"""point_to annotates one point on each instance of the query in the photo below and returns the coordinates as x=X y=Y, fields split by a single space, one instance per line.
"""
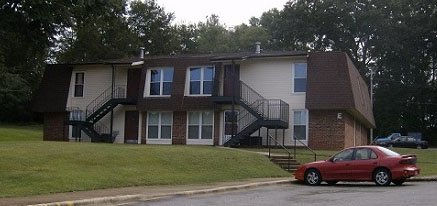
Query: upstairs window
x=300 y=77
x=160 y=82
x=78 y=84
x=201 y=80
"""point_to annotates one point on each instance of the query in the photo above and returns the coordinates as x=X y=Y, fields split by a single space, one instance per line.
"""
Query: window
x=160 y=81
x=364 y=154
x=200 y=125
x=201 y=80
x=300 y=124
x=159 y=125
x=345 y=155
x=78 y=84
x=300 y=77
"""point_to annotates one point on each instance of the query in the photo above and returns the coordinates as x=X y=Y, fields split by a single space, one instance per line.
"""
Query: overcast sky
x=231 y=12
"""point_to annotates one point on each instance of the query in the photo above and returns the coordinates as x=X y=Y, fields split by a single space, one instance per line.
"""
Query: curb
x=144 y=197
x=422 y=179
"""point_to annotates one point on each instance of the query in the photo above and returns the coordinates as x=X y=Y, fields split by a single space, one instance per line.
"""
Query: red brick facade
x=330 y=129
x=179 y=128
x=55 y=128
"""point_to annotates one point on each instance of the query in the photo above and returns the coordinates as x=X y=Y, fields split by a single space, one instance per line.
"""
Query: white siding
x=273 y=79
x=97 y=78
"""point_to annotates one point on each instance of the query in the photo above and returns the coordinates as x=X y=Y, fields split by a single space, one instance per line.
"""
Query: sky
x=230 y=12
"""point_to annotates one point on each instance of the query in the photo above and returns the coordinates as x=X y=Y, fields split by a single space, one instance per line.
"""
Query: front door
x=231 y=126
x=131 y=127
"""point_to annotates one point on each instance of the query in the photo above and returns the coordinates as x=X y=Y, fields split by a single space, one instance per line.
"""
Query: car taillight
x=408 y=159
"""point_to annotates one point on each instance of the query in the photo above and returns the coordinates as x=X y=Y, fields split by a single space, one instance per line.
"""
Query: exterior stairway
x=285 y=162
x=88 y=120
x=258 y=112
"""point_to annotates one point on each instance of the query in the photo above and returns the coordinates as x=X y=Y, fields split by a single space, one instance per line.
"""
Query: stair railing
x=302 y=143
x=250 y=97
x=283 y=147
x=119 y=92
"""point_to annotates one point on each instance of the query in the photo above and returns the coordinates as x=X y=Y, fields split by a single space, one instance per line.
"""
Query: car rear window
x=388 y=152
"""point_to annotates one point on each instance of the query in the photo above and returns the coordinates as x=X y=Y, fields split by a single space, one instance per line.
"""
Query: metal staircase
x=88 y=120
x=258 y=112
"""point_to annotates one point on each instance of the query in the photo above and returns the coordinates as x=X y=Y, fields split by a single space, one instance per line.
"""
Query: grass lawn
x=37 y=167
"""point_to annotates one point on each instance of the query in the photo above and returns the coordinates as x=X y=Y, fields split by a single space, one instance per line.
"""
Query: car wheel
x=331 y=182
x=382 y=177
x=313 y=177
x=399 y=182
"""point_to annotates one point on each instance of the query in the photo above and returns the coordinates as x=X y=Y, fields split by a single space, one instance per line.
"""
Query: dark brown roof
x=335 y=84
x=212 y=56
x=53 y=90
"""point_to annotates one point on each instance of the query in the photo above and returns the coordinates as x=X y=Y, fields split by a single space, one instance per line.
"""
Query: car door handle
x=374 y=163
x=348 y=164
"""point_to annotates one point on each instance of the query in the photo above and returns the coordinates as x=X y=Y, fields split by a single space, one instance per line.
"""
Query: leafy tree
x=99 y=31
x=152 y=25
x=213 y=36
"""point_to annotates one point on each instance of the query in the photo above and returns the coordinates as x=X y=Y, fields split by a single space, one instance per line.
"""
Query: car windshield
x=388 y=152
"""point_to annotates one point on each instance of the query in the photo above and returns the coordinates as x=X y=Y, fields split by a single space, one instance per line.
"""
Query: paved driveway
x=356 y=194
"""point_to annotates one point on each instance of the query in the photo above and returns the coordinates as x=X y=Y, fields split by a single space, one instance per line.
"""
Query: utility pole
x=371 y=101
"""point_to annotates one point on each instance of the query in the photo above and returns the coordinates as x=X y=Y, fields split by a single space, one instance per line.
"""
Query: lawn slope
x=37 y=167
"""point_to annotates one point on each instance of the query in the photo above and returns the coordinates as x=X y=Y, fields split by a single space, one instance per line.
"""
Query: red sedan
x=363 y=163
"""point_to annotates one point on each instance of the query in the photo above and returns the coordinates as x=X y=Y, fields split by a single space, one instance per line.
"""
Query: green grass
x=36 y=167
x=10 y=132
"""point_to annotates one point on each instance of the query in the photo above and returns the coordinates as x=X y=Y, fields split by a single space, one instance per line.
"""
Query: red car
x=362 y=163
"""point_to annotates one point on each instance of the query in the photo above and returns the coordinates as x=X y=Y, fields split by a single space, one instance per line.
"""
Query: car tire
x=382 y=177
x=313 y=177
x=399 y=182
x=331 y=182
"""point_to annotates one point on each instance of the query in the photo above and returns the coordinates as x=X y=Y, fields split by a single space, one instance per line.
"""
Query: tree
x=99 y=31
x=213 y=36
x=152 y=25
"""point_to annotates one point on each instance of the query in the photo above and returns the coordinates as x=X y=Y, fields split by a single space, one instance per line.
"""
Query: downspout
x=111 y=127
x=233 y=100
x=355 y=133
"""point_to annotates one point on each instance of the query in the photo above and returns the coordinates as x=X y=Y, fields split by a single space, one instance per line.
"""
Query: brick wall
x=144 y=128
x=54 y=126
x=356 y=133
x=179 y=127
x=325 y=130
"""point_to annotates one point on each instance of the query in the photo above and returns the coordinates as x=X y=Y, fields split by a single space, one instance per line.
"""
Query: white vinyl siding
x=273 y=79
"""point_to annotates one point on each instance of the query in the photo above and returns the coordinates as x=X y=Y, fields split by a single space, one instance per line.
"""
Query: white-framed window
x=300 y=124
x=159 y=125
x=79 y=81
x=200 y=80
x=200 y=125
x=299 y=77
x=159 y=82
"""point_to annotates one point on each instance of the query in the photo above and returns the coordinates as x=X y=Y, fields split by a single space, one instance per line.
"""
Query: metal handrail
x=315 y=155
x=283 y=147
x=118 y=93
